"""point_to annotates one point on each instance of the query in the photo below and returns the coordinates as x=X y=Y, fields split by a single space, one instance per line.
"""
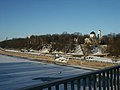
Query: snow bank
x=100 y=59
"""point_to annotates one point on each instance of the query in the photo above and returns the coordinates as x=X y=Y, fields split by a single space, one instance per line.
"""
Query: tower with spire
x=99 y=34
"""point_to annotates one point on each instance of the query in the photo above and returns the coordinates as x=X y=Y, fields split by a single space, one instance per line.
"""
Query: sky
x=22 y=18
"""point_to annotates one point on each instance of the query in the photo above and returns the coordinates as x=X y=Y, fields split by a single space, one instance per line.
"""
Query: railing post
x=118 y=78
x=49 y=88
x=57 y=87
x=100 y=86
x=94 y=82
x=104 y=81
x=108 y=81
x=114 y=79
x=84 y=83
x=78 y=84
x=65 y=86
x=89 y=84
x=111 y=79
x=72 y=85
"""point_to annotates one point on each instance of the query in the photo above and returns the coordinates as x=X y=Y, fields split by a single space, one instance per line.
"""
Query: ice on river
x=17 y=72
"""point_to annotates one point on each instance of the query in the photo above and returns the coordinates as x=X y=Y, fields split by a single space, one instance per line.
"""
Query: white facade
x=99 y=34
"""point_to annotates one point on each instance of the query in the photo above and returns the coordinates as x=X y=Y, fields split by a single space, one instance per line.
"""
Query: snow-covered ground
x=10 y=50
x=93 y=57
x=25 y=51
x=62 y=59
x=17 y=73
x=100 y=59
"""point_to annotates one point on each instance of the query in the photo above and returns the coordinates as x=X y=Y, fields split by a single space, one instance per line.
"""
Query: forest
x=61 y=42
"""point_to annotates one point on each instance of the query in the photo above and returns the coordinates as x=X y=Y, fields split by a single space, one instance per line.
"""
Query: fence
x=105 y=79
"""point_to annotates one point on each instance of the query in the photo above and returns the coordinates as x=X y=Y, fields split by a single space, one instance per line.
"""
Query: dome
x=92 y=32
x=92 y=35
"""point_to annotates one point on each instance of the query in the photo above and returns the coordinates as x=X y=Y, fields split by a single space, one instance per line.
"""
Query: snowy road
x=17 y=73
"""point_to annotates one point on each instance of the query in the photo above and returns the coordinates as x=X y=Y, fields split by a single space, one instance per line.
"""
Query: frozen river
x=17 y=72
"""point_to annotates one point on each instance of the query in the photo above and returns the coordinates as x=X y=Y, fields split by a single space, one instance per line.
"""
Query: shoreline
x=56 y=63
x=50 y=59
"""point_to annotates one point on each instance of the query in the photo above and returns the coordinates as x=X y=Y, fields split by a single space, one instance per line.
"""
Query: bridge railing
x=105 y=79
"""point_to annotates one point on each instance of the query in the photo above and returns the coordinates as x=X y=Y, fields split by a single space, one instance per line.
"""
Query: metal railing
x=105 y=79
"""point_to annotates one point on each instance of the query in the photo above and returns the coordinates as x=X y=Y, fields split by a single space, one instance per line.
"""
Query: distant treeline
x=61 y=42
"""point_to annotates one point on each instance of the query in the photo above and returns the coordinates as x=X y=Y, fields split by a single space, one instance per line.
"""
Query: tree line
x=61 y=42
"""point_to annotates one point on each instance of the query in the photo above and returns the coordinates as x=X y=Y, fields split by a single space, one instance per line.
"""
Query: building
x=99 y=34
x=92 y=35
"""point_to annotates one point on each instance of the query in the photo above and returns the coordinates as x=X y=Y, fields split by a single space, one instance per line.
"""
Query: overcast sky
x=21 y=18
